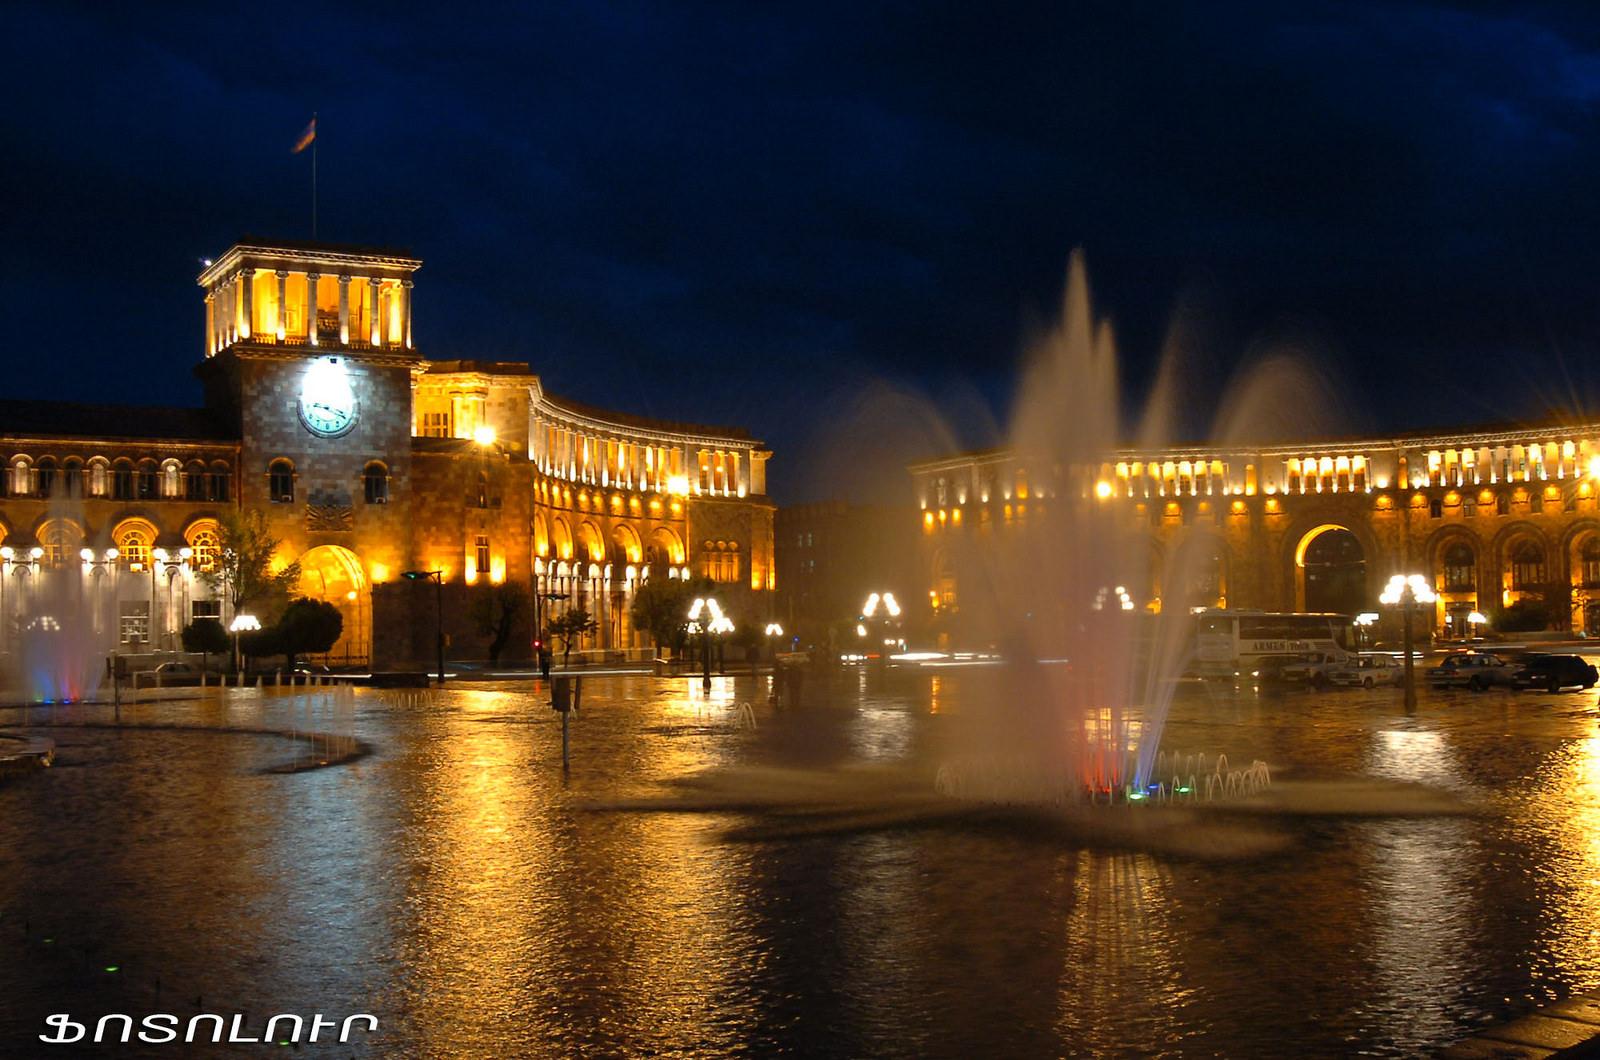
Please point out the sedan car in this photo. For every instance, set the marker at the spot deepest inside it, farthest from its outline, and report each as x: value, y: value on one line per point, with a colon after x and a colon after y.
x: 1476, y: 670
x: 1369, y: 672
x: 1555, y: 672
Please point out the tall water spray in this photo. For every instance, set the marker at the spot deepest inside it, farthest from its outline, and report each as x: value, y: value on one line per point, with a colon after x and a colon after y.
x: 1061, y: 582
x: 61, y: 617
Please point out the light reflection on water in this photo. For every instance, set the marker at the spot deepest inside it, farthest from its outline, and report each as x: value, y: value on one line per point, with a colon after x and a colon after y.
x: 453, y: 884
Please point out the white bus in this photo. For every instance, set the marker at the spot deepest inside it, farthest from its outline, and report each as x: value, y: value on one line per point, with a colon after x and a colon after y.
x: 1231, y: 643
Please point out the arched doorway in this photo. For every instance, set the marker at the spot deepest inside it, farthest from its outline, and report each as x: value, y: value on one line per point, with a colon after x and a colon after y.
x: 1455, y: 576
x: 334, y: 573
x: 1202, y: 571
x: 1586, y: 582
x: 1331, y: 571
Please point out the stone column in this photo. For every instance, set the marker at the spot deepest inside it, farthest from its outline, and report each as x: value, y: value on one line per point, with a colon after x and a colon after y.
x: 344, y: 310
x: 312, y: 279
x: 283, y: 304
x: 247, y: 309
x: 211, y: 323
x: 377, y: 311
x: 405, y: 287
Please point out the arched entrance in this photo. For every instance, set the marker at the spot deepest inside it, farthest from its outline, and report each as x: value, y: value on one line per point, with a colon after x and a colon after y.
x: 1584, y: 563
x: 334, y: 573
x: 1331, y: 571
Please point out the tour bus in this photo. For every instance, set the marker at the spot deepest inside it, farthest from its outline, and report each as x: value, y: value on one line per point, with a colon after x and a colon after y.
x: 1231, y: 643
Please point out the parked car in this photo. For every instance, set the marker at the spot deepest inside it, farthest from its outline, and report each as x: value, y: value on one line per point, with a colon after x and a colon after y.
x: 1369, y: 671
x: 1271, y: 669
x: 1554, y: 672
x: 1314, y: 667
x: 1477, y: 670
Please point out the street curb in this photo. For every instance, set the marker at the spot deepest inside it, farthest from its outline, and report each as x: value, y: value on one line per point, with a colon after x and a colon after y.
x: 1567, y: 1030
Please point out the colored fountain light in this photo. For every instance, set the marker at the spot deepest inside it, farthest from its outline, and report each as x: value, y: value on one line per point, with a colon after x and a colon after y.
x: 1070, y: 580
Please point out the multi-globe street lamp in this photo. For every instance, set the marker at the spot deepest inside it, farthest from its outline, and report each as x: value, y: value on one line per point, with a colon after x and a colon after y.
x: 10, y: 558
x: 706, y: 618
x: 1407, y: 591
x: 882, y: 611
x: 243, y: 622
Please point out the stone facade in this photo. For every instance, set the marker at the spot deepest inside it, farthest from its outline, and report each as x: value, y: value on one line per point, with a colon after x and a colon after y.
x: 369, y: 462
x: 1494, y: 517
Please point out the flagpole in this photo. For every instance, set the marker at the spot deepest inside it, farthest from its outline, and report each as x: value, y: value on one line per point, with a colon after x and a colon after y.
x: 313, y: 176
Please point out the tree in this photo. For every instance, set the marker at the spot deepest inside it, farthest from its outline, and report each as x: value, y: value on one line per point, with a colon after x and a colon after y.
x: 495, y: 611
x: 243, y: 572
x: 569, y: 626
x: 661, y: 608
x: 206, y: 636
x: 308, y: 627
x: 1545, y: 605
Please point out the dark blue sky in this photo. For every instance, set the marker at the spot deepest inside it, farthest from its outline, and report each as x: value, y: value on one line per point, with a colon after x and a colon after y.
x: 823, y: 221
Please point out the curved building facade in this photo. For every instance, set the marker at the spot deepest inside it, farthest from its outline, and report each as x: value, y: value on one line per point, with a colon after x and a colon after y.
x: 1493, y: 516
x: 368, y: 461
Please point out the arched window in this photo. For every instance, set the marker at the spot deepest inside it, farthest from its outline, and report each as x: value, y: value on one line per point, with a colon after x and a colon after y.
x: 60, y: 540
x: 207, y: 545
x: 483, y: 489
x: 72, y: 477
x: 280, y: 482
x: 21, y: 477
x: 194, y: 481
x: 1527, y: 565
x: 1589, y: 562
x: 44, y: 478
x: 149, y: 480
x: 1460, y: 568
x: 133, y: 547
x: 171, y: 479
x: 122, y: 480
x: 98, y: 476
x: 217, y: 482
x: 375, y: 482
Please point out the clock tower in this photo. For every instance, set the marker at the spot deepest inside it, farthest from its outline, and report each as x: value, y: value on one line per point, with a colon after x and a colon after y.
x: 309, y: 351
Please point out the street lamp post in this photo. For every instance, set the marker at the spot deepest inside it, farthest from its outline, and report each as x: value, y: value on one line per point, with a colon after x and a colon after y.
x: 438, y: 614
x: 706, y: 618
x: 877, y: 604
x: 1408, y: 590
x: 243, y: 622
x: 774, y: 631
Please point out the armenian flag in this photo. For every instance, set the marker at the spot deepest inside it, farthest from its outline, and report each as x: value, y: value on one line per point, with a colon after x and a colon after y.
x: 306, y: 137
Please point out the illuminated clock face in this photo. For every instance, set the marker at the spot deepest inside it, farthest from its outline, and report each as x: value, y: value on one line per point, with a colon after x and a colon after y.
x: 327, y: 403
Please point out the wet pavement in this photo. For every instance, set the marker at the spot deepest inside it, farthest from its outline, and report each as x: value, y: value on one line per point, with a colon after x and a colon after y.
x: 456, y: 885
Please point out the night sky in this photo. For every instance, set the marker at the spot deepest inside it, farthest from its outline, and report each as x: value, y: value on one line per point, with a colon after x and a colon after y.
x: 826, y: 222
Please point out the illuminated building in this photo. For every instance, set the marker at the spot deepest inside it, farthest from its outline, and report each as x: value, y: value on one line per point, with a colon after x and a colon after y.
x: 370, y: 460
x: 1494, y: 516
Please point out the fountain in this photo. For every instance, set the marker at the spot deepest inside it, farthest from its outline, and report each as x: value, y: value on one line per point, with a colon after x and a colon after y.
x: 59, y: 638
x: 1053, y: 586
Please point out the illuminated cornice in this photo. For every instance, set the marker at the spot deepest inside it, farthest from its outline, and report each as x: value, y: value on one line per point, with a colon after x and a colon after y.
x: 595, y: 422
x: 328, y: 258
x: 1459, y: 439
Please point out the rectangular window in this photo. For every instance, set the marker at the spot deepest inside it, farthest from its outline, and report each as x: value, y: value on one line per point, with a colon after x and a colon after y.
x: 482, y: 549
x: 1536, y: 502
x: 436, y: 424
x: 205, y: 609
x: 1436, y: 508
x: 135, y: 622
x: 1502, y: 505
x: 1469, y: 507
